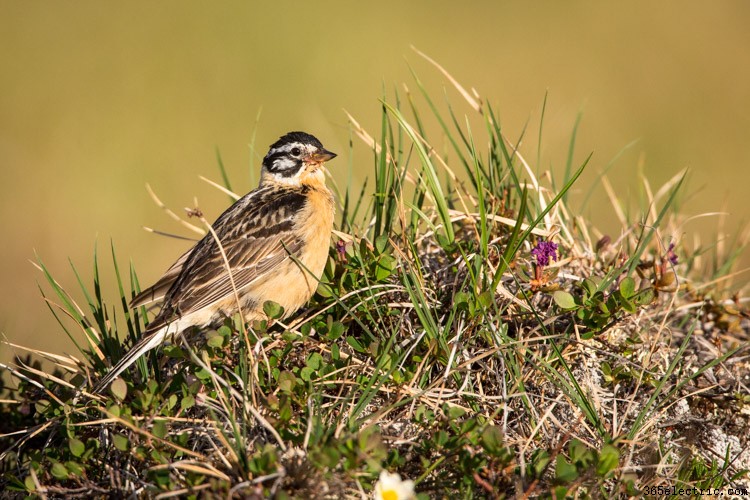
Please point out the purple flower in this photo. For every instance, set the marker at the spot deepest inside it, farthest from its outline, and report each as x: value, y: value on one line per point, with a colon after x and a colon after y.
x: 341, y: 250
x: 543, y: 251
x: 671, y: 256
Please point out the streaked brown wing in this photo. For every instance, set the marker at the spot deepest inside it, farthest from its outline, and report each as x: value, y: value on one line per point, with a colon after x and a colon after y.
x: 256, y: 235
x: 212, y: 283
x: 158, y: 290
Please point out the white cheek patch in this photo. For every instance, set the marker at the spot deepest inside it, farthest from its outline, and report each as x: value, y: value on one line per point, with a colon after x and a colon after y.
x: 284, y: 164
x: 288, y: 168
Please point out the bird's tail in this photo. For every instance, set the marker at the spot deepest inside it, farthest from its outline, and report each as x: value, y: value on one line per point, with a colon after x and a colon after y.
x: 145, y: 344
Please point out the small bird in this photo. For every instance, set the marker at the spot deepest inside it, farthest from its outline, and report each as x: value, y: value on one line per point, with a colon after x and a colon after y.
x: 275, y: 239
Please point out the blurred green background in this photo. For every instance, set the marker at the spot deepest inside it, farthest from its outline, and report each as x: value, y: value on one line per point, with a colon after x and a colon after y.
x: 99, y: 98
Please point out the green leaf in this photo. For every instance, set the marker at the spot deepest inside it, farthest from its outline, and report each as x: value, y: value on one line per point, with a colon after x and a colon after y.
x: 588, y: 335
x: 74, y: 468
x: 644, y: 297
x: 325, y: 290
x: 305, y: 330
x: 381, y: 243
x: 161, y: 478
x: 485, y: 299
x: 614, y: 300
x: 589, y: 287
x: 337, y: 330
x: 59, y: 471
x: 561, y: 492
x: 354, y: 343
x: 160, y: 429
x: 565, y: 472
x: 119, y: 389
x: 203, y: 375
x: 285, y: 411
x: 627, y: 287
x: 114, y: 410
x: 564, y: 300
x: 287, y: 381
x: 454, y: 412
x: 120, y: 442
x: 314, y: 361
x: 216, y: 340
x: 328, y: 456
x: 461, y: 301
x: 492, y: 439
x: 384, y: 267
x: 76, y: 447
x: 579, y: 452
x: 540, y: 460
x: 604, y: 308
x: 187, y: 402
x: 272, y: 309
x: 42, y: 406
x: 174, y: 352
x: 609, y: 459
x: 628, y: 305
x: 306, y: 373
x: 290, y: 337
x: 159, y: 456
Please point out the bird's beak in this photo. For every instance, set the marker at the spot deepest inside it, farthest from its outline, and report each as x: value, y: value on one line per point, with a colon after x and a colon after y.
x: 322, y: 155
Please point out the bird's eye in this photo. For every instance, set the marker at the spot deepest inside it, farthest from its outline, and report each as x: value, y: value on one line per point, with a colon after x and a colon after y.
x: 296, y: 151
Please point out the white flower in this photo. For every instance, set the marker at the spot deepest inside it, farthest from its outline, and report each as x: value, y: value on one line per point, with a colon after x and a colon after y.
x: 391, y: 487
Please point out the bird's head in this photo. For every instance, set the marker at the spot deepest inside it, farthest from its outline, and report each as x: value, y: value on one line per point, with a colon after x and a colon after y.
x: 296, y: 158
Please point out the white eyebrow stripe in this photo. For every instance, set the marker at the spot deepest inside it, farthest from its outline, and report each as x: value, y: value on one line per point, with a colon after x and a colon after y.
x: 286, y: 148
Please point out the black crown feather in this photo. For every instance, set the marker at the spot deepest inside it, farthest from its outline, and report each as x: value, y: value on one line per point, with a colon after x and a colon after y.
x: 302, y: 137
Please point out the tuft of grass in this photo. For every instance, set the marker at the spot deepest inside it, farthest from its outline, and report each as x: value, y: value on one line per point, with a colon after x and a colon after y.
x: 468, y: 333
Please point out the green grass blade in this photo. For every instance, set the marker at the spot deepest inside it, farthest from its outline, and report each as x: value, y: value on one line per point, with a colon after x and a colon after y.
x: 224, y: 174
x: 440, y: 120
x: 541, y: 129
x: 571, y: 151
x: 431, y: 177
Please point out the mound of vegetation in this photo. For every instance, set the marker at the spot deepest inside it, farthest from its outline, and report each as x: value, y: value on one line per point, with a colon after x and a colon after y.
x: 470, y: 333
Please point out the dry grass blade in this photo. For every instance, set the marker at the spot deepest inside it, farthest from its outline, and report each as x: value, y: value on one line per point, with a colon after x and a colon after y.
x: 614, y: 201
x: 69, y: 363
x: 129, y: 425
x: 168, y: 235
x: 48, y: 376
x: 171, y: 214
x: 366, y: 138
x: 17, y: 373
x: 473, y: 100
x: 458, y: 216
x: 238, y: 302
x: 183, y: 492
x: 29, y: 434
x: 196, y: 467
x: 221, y: 188
x: 85, y: 329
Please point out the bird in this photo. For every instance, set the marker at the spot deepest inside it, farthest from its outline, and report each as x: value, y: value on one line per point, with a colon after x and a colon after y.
x: 275, y: 240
